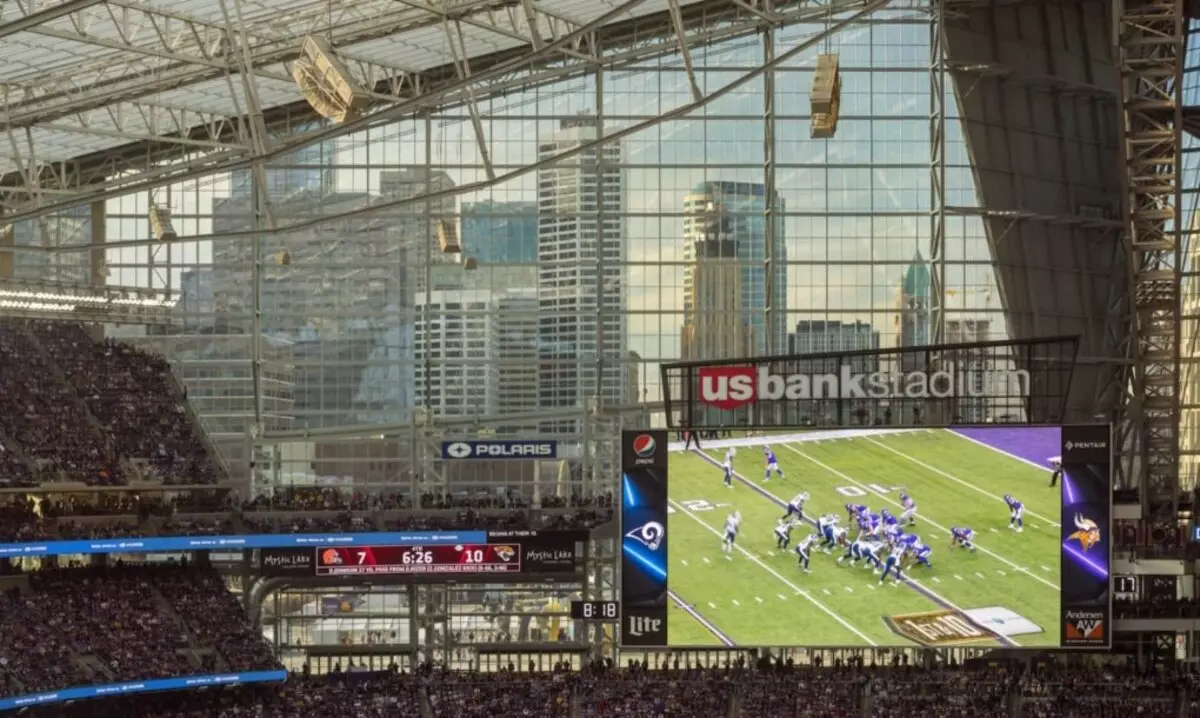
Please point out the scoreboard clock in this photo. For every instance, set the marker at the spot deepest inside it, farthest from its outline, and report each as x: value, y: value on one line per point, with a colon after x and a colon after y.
x: 596, y: 610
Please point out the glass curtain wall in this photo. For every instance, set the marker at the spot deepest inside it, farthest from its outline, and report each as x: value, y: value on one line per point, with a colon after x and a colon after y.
x: 575, y: 280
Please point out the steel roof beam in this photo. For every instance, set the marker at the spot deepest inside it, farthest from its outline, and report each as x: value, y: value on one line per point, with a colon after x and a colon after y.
x: 111, y: 173
x: 616, y: 136
x: 28, y: 20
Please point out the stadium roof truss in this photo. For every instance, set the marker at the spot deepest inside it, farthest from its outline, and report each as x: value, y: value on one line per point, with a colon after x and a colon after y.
x: 106, y: 97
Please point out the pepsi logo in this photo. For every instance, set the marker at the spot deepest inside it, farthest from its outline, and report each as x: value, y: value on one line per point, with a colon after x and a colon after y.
x: 644, y: 446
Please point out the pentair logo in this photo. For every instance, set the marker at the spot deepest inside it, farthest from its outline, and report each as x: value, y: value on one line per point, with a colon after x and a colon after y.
x: 731, y: 387
x: 644, y: 446
x: 459, y: 450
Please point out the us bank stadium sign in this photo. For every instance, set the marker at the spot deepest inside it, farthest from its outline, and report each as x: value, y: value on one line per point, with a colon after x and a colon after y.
x: 1006, y: 382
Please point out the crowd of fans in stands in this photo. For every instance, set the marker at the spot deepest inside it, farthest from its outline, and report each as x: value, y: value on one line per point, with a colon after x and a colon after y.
x: 102, y: 624
x: 79, y: 409
x: 635, y: 692
x: 103, y: 413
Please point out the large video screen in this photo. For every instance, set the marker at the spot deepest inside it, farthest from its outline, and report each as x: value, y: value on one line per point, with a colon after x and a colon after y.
x: 987, y: 536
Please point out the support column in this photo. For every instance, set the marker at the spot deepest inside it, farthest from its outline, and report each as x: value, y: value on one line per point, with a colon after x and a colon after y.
x: 937, y: 171
x: 1149, y: 40
x: 97, y: 256
x: 8, y: 240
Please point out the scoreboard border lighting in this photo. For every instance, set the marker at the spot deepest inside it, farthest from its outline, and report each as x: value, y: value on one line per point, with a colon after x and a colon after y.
x: 163, y: 544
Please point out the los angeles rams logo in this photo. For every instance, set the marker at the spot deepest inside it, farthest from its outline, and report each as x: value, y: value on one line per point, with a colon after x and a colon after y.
x: 649, y: 534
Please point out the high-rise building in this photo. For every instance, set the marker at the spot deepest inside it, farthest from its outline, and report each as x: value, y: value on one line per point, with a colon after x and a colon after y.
x: 478, y: 352
x: 582, y: 345
x: 818, y: 337
x: 70, y: 226
x: 737, y: 212
x: 715, y: 326
x: 977, y: 371
x: 912, y: 319
x: 814, y: 336
x: 310, y: 168
x: 500, y: 232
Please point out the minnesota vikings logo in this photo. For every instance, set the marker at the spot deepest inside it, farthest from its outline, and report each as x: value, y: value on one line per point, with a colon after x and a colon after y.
x: 1087, y: 533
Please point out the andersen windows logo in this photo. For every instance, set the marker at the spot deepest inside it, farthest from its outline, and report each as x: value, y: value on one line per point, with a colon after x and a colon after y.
x: 731, y: 387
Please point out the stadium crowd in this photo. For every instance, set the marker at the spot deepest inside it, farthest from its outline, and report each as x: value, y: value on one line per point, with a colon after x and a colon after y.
x: 105, y: 624
x: 636, y: 692
x: 97, y: 412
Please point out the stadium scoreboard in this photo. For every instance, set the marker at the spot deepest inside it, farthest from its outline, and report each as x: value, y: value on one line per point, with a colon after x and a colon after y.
x: 383, y: 560
x: 596, y: 610
x: 474, y: 553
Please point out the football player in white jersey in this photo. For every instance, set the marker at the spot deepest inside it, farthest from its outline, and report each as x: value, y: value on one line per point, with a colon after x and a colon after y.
x: 729, y: 467
x: 795, y: 507
x: 909, y: 514
x: 803, y: 549
x: 732, y: 522
x: 893, y: 563
x: 783, y: 533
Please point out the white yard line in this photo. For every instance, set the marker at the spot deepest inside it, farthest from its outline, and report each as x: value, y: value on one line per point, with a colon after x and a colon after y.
x: 913, y: 583
x: 799, y: 591
x: 998, y: 450
x: 955, y: 479
x: 827, y: 435
x: 924, y: 518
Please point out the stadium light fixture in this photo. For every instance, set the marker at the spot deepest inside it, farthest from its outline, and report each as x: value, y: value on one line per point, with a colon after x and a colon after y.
x: 29, y: 299
x: 327, y: 84
x: 826, y: 96
x: 160, y: 223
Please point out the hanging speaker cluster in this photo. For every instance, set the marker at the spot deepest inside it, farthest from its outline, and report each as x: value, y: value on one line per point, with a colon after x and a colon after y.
x: 326, y: 83
x: 826, y: 96
x: 160, y: 223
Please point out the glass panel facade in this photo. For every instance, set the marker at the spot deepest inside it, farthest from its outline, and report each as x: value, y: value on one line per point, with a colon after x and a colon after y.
x: 691, y: 237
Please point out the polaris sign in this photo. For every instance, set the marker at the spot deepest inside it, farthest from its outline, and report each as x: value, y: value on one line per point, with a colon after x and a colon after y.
x: 459, y: 450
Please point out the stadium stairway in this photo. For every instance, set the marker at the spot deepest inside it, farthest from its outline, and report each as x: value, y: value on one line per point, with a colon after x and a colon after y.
x: 194, y: 652
x: 180, y: 393
x: 11, y: 446
x: 424, y: 704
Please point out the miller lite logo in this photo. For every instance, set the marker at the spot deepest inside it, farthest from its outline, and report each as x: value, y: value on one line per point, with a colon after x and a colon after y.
x: 643, y: 626
x: 649, y: 534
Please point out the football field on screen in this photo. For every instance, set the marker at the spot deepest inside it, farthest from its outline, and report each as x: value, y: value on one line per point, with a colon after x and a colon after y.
x: 758, y: 595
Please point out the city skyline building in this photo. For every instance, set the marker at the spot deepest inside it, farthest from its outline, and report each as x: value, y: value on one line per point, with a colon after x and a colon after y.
x: 479, y: 353
x: 715, y: 327
x: 912, y: 319
x: 975, y: 368
x: 738, y: 212
x: 582, y: 344
x: 500, y: 232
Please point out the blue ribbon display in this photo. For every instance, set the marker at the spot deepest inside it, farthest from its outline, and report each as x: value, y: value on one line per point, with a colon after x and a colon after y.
x: 160, y: 684
x: 166, y: 544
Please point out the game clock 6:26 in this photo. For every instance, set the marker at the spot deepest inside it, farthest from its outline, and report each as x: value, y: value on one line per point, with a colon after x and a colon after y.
x: 596, y: 610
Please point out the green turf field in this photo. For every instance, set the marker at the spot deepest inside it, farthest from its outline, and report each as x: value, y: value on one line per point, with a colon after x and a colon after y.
x: 759, y: 596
